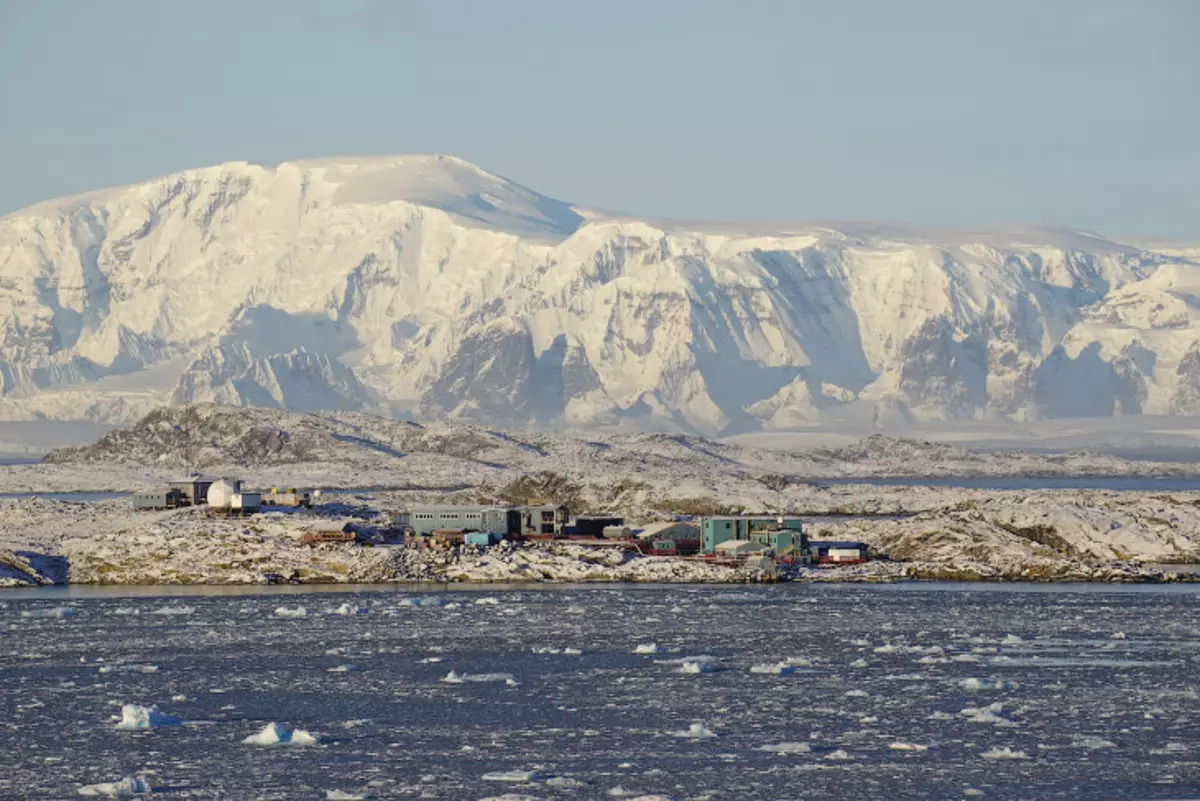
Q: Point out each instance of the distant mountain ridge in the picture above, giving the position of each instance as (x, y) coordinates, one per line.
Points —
(426, 287)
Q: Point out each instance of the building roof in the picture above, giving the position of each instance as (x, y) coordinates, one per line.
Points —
(652, 530)
(752, 517)
(437, 508)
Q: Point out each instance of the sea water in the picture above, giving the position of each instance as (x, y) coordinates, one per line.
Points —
(847, 691)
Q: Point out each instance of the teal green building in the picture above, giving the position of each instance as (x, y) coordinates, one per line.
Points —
(784, 534)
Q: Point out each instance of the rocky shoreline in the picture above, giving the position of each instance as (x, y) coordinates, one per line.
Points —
(1065, 536)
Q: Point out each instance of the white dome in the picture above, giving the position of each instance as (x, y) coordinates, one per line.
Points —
(221, 493)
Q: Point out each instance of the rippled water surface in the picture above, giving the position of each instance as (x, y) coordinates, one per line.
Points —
(776, 692)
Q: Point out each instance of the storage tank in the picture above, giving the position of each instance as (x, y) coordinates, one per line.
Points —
(220, 494)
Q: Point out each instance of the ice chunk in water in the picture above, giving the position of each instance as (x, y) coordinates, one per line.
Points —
(646, 648)
(987, 685)
(291, 611)
(1003, 753)
(697, 731)
(787, 748)
(899, 746)
(454, 677)
(55, 612)
(128, 787)
(174, 610)
(347, 610)
(986, 714)
(275, 734)
(135, 717)
(512, 776)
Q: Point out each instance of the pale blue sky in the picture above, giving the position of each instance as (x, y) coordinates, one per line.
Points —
(1075, 112)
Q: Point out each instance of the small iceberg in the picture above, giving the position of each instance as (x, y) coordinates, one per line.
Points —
(172, 611)
(900, 746)
(128, 787)
(135, 718)
(129, 668)
(291, 611)
(276, 734)
(1004, 753)
(59, 612)
(987, 685)
(429, 600)
(647, 648)
(787, 748)
(454, 677)
(523, 776)
(348, 610)
(697, 731)
(986, 714)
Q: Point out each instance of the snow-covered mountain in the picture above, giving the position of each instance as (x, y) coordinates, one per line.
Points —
(425, 286)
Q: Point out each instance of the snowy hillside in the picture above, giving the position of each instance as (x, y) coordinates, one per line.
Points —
(424, 286)
(626, 472)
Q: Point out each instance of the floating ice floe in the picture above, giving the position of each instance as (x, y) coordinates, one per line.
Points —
(697, 731)
(519, 776)
(135, 717)
(59, 612)
(347, 610)
(785, 667)
(857, 694)
(174, 610)
(291, 611)
(1004, 753)
(489, 601)
(128, 787)
(129, 668)
(428, 600)
(859, 663)
(429, 660)
(276, 734)
(549, 649)
(342, 669)
(454, 677)
(339, 795)
(838, 755)
(647, 648)
(787, 748)
(693, 664)
(899, 746)
(1012, 639)
(1091, 742)
(1118, 635)
(986, 714)
(987, 685)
